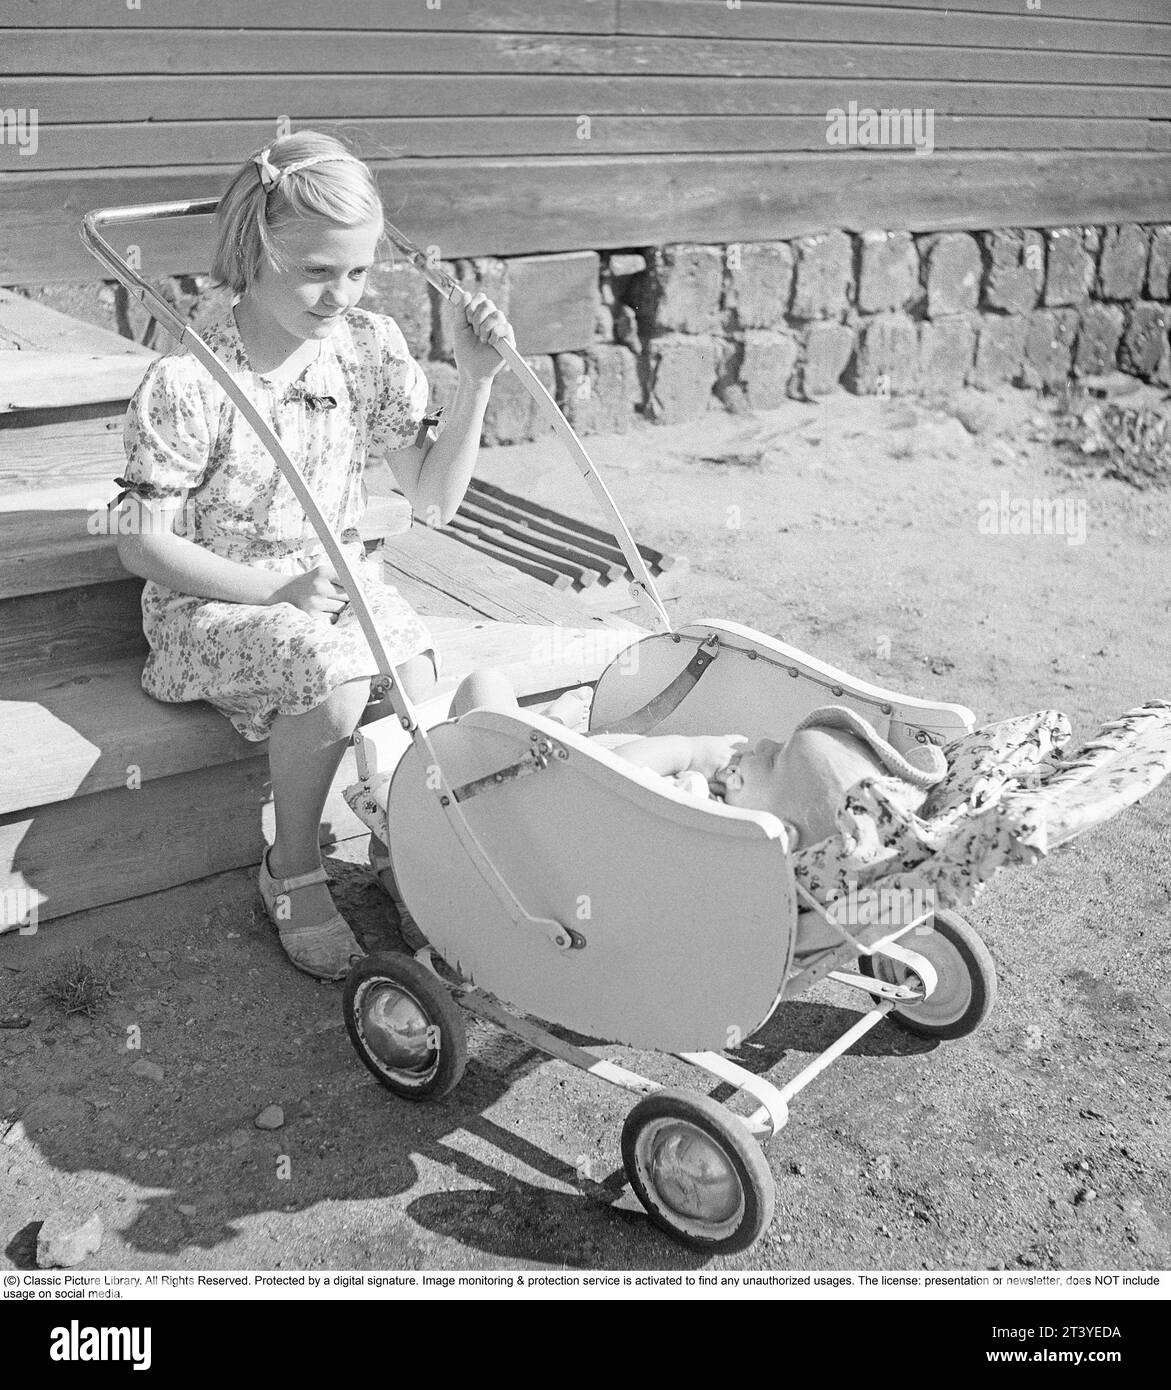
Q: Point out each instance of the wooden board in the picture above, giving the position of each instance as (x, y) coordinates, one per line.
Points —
(123, 844)
(512, 207)
(1022, 29)
(481, 584)
(172, 143)
(62, 453)
(69, 627)
(307, 98)
(523, 16)
(30, 326)
(48, 380)
(94, 53)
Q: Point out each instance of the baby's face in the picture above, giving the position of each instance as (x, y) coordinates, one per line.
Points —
(752, 779)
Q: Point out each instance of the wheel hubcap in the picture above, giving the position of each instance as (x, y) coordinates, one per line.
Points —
(396, 1029)
(690, 1173)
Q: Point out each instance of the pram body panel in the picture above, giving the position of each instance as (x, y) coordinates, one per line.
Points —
(687, 909)
(751, 689)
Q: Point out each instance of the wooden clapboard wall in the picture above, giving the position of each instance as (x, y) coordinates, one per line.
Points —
(706, 118)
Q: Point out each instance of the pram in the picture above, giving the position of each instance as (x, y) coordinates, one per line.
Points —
(549, 873)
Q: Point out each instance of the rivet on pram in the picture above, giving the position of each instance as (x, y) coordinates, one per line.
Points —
(794, 672)
(752, 656)
(835, 690)
(885, 709)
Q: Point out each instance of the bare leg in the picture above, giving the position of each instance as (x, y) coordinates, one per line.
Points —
(484, 689)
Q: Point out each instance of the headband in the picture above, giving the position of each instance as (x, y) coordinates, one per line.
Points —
(271, 175)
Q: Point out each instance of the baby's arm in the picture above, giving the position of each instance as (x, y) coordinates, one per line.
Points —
(671, 754)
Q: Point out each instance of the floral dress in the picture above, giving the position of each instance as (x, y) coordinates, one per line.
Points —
(363, 395)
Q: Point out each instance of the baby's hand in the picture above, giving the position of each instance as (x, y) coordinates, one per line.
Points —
(478, 326)
(317, 592)
(711, 752)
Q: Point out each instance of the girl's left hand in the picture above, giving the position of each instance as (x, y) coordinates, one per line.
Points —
(477, 329)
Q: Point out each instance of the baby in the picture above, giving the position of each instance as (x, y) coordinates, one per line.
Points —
(801, 781)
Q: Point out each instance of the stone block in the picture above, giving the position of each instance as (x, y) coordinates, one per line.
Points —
(766, 368)
(1099, 331)
(1048, 354)
(512, 416)
(1000, 346)
(952, 268)
(1123, 266)
(553, 301)
(398, 290)
(1144, 341)
(888, 277)
(1069, 268)
(682, 371)
(599, 390)
(946, 349)
(760, 283)
(1159, 265)
(681, 291)
(828, 349)
(825, 275)
(484, 275)
(887, 360)
(1016, 269)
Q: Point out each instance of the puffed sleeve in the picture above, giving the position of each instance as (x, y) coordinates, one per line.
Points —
(166, 433)
(401, 390)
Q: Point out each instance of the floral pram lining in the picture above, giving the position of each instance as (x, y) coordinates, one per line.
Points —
(1011, 795)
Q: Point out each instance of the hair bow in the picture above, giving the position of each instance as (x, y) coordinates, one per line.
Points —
(270, 175)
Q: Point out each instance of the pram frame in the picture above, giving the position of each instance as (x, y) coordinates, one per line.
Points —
(772, 1102)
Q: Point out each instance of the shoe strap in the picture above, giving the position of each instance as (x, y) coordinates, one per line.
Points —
(290, 885)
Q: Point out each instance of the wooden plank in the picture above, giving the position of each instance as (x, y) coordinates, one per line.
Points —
(61, 453)
(97, 52)
(549, 565)
(1153, 10)
(484, 585)
(520, 528)
(309, 98)
(122, 844)
(512, 207)
(468, 536)
(796, 22)
(96, 622)
(44, 550)
(523, 16)
(46, 380)
(126, 146)
(34, 327)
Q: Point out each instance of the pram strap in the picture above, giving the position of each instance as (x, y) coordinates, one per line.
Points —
(652, 714)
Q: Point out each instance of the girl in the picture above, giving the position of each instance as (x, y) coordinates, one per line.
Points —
(240, 607)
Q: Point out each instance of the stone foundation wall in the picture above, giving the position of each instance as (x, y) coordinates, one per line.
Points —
(673, 331)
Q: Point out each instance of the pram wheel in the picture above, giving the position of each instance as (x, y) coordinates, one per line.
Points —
(405, 1025)
(698, 1171)
(966, 991)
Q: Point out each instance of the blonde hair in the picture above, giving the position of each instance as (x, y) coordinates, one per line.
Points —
(262, 199)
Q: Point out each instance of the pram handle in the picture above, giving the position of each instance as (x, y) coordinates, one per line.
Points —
(642, 586)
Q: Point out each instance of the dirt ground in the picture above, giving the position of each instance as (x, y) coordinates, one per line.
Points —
(850, 529)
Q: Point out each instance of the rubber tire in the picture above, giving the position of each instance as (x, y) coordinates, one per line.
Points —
(436, 1003)
(738, 1144)
(978, 964)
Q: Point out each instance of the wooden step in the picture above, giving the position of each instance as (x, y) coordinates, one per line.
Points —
(27, 325)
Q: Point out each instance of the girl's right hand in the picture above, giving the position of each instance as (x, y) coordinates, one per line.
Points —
(316, 592)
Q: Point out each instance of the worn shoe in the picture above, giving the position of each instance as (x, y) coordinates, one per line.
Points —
(409, 929)
(325, 950)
